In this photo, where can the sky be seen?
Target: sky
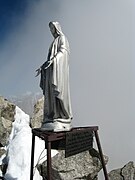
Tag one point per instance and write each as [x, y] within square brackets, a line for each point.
[102, 62]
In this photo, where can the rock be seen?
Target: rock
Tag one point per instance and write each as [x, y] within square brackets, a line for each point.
[37, 118]
[127, 172]
[7, 111]
[115, 175]
[80, 166]
[2, 151]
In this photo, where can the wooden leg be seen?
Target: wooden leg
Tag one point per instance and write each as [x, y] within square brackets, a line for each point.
[32, 156]
[101, 155]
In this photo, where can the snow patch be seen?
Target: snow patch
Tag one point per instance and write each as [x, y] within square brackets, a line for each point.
[19, 149]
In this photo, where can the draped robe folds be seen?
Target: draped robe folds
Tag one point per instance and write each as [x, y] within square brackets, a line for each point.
[55, 83]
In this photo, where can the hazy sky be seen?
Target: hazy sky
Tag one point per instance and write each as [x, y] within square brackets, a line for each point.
[102, 62]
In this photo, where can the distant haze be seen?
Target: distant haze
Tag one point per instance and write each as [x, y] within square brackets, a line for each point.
[102, 65]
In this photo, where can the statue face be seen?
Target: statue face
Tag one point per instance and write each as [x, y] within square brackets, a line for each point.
[52, 29]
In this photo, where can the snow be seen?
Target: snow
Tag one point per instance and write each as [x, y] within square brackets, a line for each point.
[19, 149]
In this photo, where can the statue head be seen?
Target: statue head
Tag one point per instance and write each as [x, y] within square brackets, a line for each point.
[55, 28]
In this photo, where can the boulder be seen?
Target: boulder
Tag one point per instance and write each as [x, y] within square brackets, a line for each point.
[127, 172]
[7, 111]
[79, 166]
[37, 117]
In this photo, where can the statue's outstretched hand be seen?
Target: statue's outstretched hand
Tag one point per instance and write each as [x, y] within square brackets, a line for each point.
[49, 64]
[38, 71]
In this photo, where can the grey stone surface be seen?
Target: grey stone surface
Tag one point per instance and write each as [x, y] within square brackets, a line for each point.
[80, 166]
[127, 172]
[37, 117]
[115, 175]
[7, 111]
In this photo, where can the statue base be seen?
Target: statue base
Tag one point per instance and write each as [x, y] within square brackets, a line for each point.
[73, 142]
[57, 125]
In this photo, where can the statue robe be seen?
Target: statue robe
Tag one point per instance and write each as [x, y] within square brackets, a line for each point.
[55, 82]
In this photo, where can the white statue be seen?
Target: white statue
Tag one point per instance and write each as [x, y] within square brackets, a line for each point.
[55, 83]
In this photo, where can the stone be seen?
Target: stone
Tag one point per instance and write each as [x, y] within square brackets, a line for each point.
[115, 174]
[80, 166]
[127, 172]
[37, 117]
[7, 111]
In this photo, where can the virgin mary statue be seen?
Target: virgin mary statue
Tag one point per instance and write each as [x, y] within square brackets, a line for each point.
[55, 83]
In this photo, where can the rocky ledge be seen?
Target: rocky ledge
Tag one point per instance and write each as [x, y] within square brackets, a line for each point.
[7, 112]
[80, 166]
[127, 172]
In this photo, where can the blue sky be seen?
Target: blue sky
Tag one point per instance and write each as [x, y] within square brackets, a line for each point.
[102, 61]
[10, 11]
